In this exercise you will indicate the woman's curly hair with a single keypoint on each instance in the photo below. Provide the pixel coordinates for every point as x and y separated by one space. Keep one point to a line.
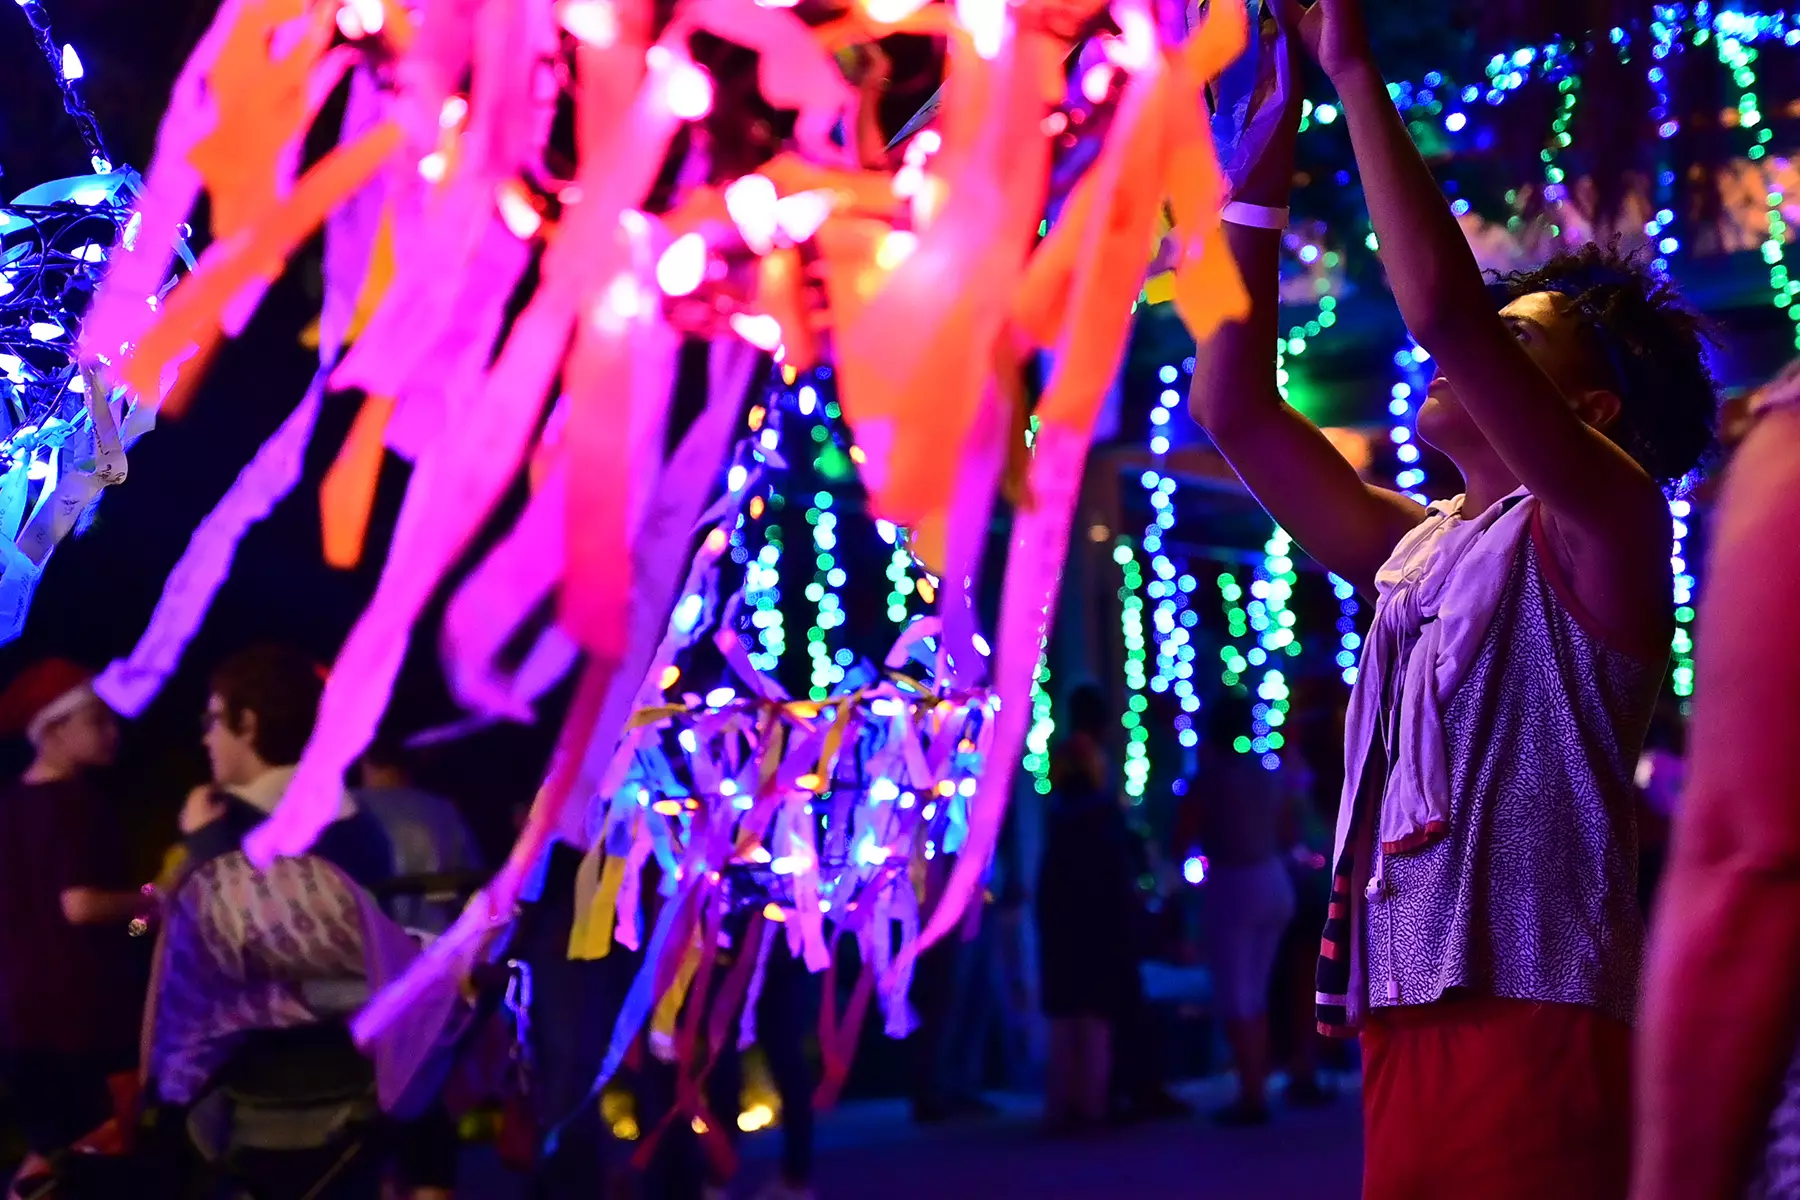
1652 350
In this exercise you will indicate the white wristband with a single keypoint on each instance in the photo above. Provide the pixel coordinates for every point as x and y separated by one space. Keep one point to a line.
1254 216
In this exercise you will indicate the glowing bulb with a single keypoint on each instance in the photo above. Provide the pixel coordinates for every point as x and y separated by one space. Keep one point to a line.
453 112
888 12
372 13
624 301
800 215
71 64
433 167
1134 49
517 211
1194 870
46 331
986 22
670 675
752 206
759 329
897 245
720 697
687 90
682 267
358 19
1096 81
772 910
595 22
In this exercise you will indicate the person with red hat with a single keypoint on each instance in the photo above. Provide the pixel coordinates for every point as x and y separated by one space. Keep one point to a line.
69 994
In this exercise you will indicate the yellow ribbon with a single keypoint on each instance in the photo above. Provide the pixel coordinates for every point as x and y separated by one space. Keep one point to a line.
596 906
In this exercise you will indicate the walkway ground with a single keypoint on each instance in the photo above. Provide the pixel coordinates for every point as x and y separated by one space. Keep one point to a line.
871 1151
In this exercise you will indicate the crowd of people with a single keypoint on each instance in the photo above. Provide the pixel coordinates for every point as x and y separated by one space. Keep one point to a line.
87 1013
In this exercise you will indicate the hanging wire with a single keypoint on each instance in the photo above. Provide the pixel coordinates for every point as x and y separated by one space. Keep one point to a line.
66 66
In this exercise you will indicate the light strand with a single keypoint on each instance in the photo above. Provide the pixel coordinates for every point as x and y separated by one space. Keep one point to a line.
762 578
1681 675
66 66
1043 726
1664 45
1404 401
1276 639
1349 640
1131 626
1556 188
828 576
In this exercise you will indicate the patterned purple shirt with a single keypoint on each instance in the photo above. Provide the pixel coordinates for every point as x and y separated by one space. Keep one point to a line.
1533 894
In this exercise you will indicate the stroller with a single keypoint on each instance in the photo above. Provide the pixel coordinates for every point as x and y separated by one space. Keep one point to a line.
262 1093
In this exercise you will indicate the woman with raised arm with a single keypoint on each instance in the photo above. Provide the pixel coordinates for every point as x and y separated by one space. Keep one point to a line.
1483 935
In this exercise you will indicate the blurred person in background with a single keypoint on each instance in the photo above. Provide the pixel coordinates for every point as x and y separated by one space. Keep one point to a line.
1247 815
1139 1090
70 991
1086 906
428 834
242 968
256 725
954 994
1315 737
1718 1076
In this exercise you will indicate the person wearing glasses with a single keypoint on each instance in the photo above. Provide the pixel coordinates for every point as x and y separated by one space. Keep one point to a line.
257 722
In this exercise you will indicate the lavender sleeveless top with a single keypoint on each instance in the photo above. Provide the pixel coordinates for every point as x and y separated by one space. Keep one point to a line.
1533 894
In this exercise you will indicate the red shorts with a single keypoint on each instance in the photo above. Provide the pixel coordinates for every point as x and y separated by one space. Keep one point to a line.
1489 1099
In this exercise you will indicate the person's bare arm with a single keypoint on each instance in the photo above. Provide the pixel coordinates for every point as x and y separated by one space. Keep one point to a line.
1291 467
1604 509
97 906
1722 999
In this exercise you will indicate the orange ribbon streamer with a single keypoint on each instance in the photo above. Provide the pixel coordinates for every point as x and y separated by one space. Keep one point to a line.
191 317
348 491
262 104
